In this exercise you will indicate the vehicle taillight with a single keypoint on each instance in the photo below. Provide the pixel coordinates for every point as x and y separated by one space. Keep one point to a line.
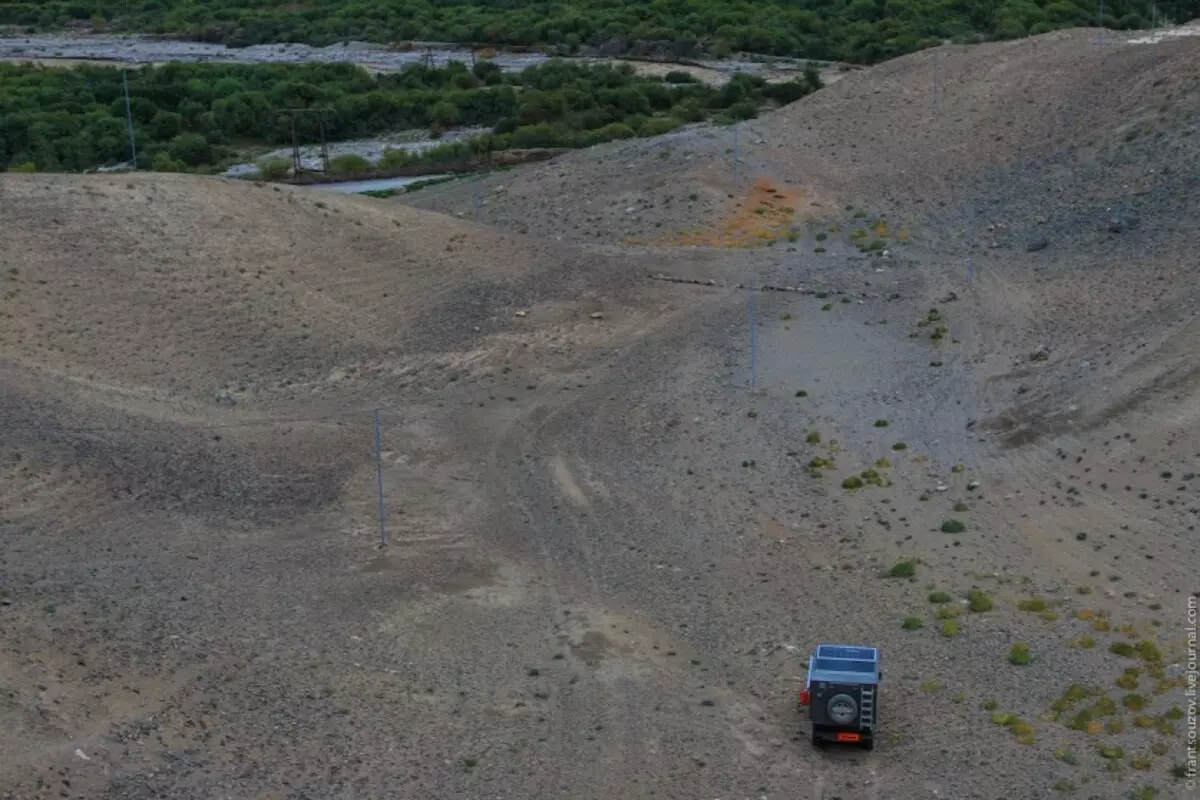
804 697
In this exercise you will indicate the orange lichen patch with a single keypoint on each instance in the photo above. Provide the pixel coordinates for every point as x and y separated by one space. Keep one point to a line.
762 217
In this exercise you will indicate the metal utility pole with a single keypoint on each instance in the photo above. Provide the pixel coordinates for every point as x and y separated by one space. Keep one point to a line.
129 116
937 89
297 165
379 476
735 153
753 334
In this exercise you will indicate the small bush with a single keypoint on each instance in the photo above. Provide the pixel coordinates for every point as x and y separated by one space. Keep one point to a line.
939 597
929 686
961 508
1034 604
912 624
1019 655
881 423
1149 651
273 168
978 601
948 611
813 437
801 393
349 164
1086 642
953 526
1111 751
1128 681
899 446
853 482
949 627
989 705
905 569
1134 702
1122 649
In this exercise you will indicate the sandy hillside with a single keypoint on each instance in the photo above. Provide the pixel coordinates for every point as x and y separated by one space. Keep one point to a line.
608 554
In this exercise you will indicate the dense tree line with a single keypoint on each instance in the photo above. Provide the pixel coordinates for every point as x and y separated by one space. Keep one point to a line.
862 31
196 116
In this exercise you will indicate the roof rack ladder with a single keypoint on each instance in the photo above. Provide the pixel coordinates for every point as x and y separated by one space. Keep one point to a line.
867 707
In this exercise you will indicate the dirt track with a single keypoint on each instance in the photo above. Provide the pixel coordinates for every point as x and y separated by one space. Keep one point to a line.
607 559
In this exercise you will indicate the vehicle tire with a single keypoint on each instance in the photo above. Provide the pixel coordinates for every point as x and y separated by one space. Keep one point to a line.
868 742
817 741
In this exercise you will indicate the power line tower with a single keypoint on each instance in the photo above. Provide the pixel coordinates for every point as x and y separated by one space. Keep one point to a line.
297 162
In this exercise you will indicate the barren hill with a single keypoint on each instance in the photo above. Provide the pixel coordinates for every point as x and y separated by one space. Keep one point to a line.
616 520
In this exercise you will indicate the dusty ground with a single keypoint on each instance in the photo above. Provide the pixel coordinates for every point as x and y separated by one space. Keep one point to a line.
607 555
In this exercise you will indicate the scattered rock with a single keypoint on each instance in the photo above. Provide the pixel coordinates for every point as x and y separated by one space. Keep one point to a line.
596 315
1037 243
1122 221
224 398
1040 353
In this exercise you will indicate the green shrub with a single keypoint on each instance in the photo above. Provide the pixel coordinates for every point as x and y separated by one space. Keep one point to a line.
274 168
904 569
912 624
978 601
349 164
1032 604
1020 655
813 437
953 526
1149 651
853 482
1134 702
949 627
899 446
939 597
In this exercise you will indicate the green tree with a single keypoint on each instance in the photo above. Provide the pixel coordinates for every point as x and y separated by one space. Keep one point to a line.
191 149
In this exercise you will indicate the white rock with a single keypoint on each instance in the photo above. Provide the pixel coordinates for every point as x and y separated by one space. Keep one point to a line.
941 487
521 313
81 754
596 315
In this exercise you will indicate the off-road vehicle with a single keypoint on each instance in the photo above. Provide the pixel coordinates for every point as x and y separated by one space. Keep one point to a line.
841 693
